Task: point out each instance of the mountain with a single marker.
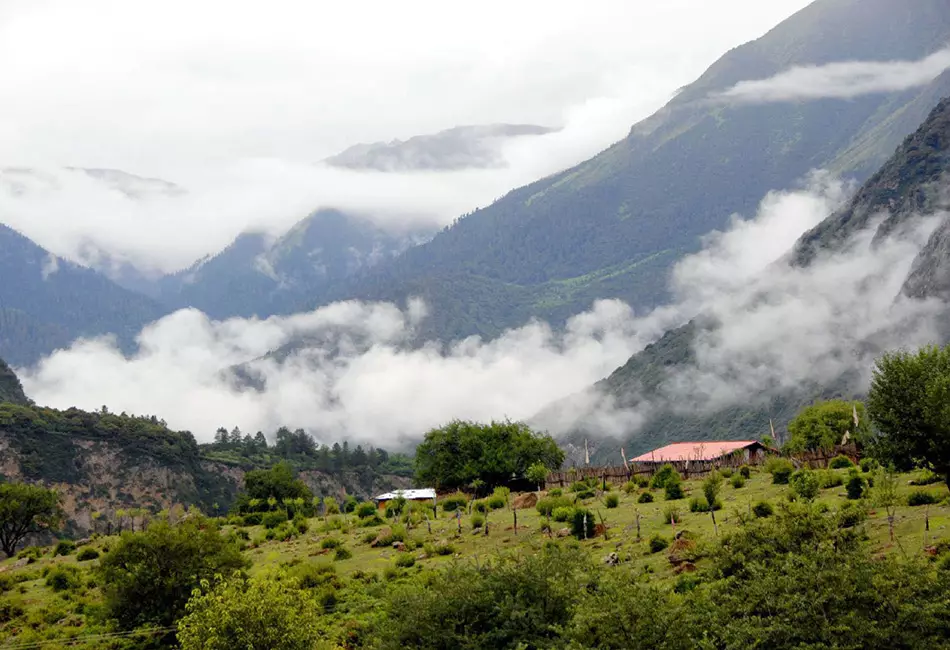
(911, 184)
(47, 302)
(258, 277)
(614, 225)
(11, 390)
(461, 147)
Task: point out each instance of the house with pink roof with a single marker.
(746, 451)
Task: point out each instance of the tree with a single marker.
(537, 472)
(824, 425)
(909, 404)
(259, 614)
(149, 576)
(278, 483)
(885, 495)
(24, 510)
(711, 487)
(460, 452)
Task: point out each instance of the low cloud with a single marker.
(839, 80)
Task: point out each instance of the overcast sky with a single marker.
(154, 87)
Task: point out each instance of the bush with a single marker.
(611, 501)
(63, 578)
(805, 484)
(726, 472)
(405, 560)
(366, 509)
(780, 468)
(658, 543)
(149, 576)
(253, 518)
(763, 509)
(373, 520)
(926, 477)
(745, 471)
(556, 492)
(869, 465)
(582, 523)
(665, 475)
(922, 498)
(672, 513)
(585, 494)
(331, 542)
(477, 520)
(315, 574)
(480, 506)
(673, 490)
(738, 481)
(646, 497)
(855, 486)
(342, 553)
(851, 514)
(496, 502)
(699, 504)
(64, 547)
(830, 479)
(454, 502)
(547, 505)
(629, 487)
(31, 553)
(840, 462)
(274, 518)
(87, 554)
(562, 514)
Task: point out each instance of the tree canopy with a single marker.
(24, 510)
(823, 425)
(909, 403)
(461, 452)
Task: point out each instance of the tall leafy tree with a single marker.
(24, 510)
(462, 452)
(909, 403)
(824, 424)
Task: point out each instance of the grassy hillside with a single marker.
(353, 587)
(613, 225)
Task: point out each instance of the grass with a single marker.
(50, 614)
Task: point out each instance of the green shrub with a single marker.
(480, 506)
(673, 490)
(87, 554)
(851, 514)
(780, 468)
(366, 509)
(672, 513)
(313, 575)
(274, 518)
(869, 465)
(629, 487)
(342, 553)
(830, 479)
(666, 474)
(926, 477)
(922, 498)
(405, 560)
(477, 520)
(658, 543)
(745, 471)
(840, 462)
(373, 520)
(496, 502)
(253, 518)
(738, 481)
(64, 547)
(556, 492)
(63, 578)
(726, 472)
(331, 542)
(763, 509)
(369, 537)
(582, 523)
(646, 497)
(547, 505)
(611, 500)
(855, 486)
(562, 514)
(454, 502)
(31, 553)
(699, 504)
(586, 494)
(805, 484)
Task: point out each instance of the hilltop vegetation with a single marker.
(11, 390)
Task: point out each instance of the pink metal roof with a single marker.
(706, 450)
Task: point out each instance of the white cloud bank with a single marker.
(362, 380)
(842, 80)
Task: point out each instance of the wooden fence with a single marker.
(694, 468)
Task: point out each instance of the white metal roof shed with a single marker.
(409, 495)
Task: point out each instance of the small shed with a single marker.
(423, 494)
(707, 451)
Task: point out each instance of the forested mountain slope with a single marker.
(10, 388)
(258, 277)
(47, 302)
(911, 184)
(613, 225)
